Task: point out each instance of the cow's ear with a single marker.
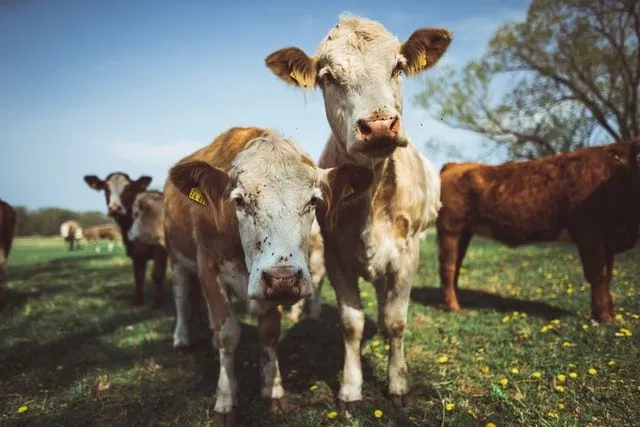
(424, 48)
(143, 182)
(94, 182)
(293, 66)
(342, 185)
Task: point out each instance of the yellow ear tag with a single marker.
(423, 61)
(196, 195)
(348, 191)
(292, 74)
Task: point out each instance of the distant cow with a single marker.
(148, 218)
(94, 234)
(590, 197)
(238, 216)
(358, 67)
(7, 228)
(120, 192)
(71, 233)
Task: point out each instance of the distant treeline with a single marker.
(46, 221)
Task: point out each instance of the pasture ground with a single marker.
(73, 351)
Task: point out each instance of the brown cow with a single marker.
(7, 228)
(120, 192)
(590, 197)
(238, 216)
(71, 233)
(94, 234)
(358, 66)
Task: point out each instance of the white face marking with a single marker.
(116, 185)
(357, 61)
(275, 194)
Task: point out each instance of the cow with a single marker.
(7, 228)
(589, 197)
(238, 215)
(94, 234)
(148, 218)
(312, 306)
(358, 67)
(71, 233)
(120, 191)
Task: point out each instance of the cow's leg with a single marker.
(345, 284)
(158, 275)
(139, 270)
(181, 278)
(315, 300)
(448, 243)
(463, 245)
(297, 310)
(594, 264)
(269, 330)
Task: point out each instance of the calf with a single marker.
(94, 234)
(358, 67)
(7, 228)
(590, 197)
(238, 216)
(120, 191)
(148, 218)
(71, 233)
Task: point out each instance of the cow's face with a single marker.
(358, 67)
(272, 190)
(147, 224)
(119, 191)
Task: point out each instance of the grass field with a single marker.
(73, 351)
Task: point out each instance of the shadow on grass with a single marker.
(476, 299)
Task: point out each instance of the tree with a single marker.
(570, 76)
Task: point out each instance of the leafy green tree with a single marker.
(572, 77)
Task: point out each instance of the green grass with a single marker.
(74, 352)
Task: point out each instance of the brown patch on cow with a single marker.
(424, 48)
(293, 66)
(593, 193)
(7, 229)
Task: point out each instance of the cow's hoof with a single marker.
(604, 319)
(400, 401)
(346, 407)
(228, 419)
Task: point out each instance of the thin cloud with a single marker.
(153, 154)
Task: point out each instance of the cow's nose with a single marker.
(281, 283)
(376, 129)
(115, 209)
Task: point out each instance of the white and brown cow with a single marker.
(95, 233)
(238, 216)
(148, 218)
(358, 67)
(71, 233)
(120, 191)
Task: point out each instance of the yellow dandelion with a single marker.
(515, 371)
(545, 329)
(387, 347)
(375, 343)
(378, 413)
(572, 366)
(490, 425)
(504, 381)
(370, 304)
(573, 375)
(561, 377)
(22, 409)
(442, 359)
(559, 388)
(611, 362)
(515, 314)
(313, 387)
(505, 319)
(555, 321)
(480, 350)
(623, 332)
(523, 314)
(636, 316)
(568, 344)
(592, 371)
(450, 406)
(585, 326)
(619, 316)
(331, 415)
(552, 414)
(485, 369)
(479, 358)
(536, 374)
(560, 406)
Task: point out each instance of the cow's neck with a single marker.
(124, 222)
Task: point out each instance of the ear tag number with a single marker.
(196, 195)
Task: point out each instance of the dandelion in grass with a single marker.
(442, 359)
(552, 414)
(506, 319)
(592, 371)
(561, 377)
(560, 406)
(545, 329)
(536, 374)
(573, 375)
(450, 406)
(623, 332)
(386, 347)
(619, 317)
(585, 326)
(611, 362)
(490, 425)
(22, 409)
(515, 371)
(555, 322)
(484, 369)
(559, 388)
(504, 382)
(331, 415)
(313, 387)
(378, 413)
(568, 344)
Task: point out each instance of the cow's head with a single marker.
(119, 191)
(271, 192)
(147, 224)
(358, 67)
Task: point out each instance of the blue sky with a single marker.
(90, 87)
